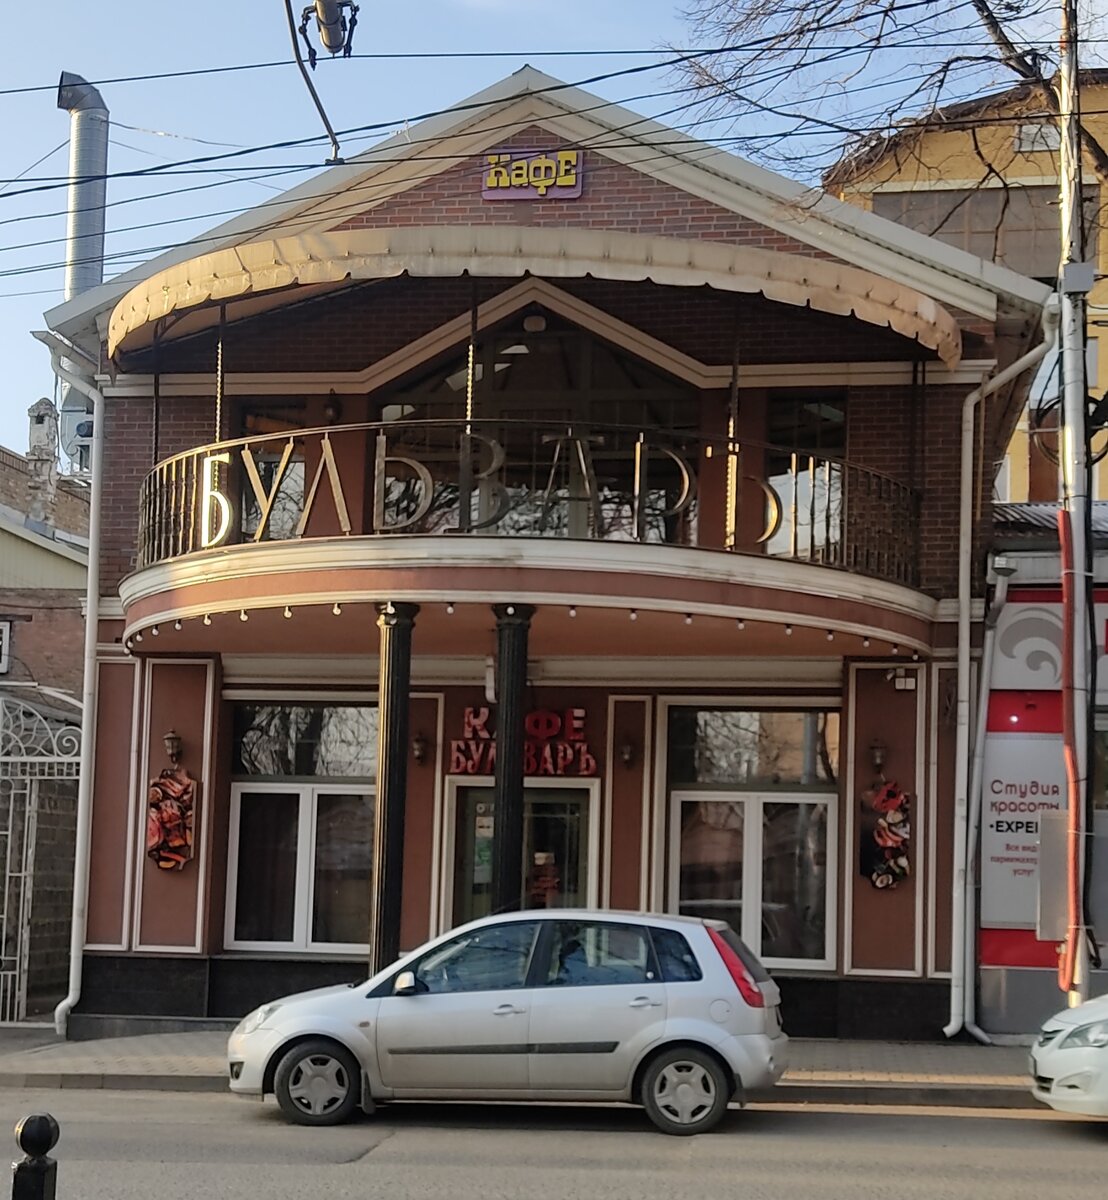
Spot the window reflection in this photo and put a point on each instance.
(330, 740)
(754, 749)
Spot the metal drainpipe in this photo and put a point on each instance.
(62, 355)
(965, 597)
(1003, 569)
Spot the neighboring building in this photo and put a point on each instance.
(983, 176)
(43, 565)
(687, 545)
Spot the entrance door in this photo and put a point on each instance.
(559, 846)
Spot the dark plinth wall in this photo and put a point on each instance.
(228, 987)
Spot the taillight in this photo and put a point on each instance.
(750, 991)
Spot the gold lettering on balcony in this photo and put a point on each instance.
(211, 495)
(380, 476)
(326, 463)
(493, 494)
(265, 499)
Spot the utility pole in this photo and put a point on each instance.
(1075, 280)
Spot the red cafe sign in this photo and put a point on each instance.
(555, 745)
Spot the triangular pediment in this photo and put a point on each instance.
(730, 198)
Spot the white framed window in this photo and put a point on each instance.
(764, 862)
(299, 867)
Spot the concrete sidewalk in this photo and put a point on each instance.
(825, 1072)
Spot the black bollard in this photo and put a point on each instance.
(35, 1176)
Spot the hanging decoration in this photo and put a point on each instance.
(170, 806)
(886, 834)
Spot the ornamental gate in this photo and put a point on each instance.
(39, 759)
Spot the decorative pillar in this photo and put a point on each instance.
(513, 624)
(395, 622)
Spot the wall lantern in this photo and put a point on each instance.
(627, 753)
(419, 749)
(877, 754)
(172, 742)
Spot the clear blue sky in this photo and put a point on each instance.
(129, 37)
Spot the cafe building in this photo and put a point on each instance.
(541, 509)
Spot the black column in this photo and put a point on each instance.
(395, 622)
(513, 623)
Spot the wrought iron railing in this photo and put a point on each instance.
(517, 478)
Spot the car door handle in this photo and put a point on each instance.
(507, 1010)
(644, 1002)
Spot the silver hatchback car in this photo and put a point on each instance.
(672, 1013)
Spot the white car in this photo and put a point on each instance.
(1069, 1061)
(669, 1012)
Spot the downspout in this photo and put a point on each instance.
(63, 356)
(965, 597)
(1003, 569)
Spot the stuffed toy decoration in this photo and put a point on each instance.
(885, 859)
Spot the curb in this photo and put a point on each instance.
(913, 1095)
(112, 1082)
(891, 1095)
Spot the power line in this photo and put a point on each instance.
(717, 143)
(443, 55)
(677, 60)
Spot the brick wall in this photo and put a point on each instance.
(48, 631)
(129, 453)
(71, 503)
(613, 196)
(368, 323)
(881, 437)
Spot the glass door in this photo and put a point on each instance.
(762, 862)
(557, 849)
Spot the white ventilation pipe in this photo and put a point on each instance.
(62, 357)
(958, 939)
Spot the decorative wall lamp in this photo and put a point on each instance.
(172, 742)
(419, 749)
(627, 753)
(878, 753)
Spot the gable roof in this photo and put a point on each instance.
(529, 98)
(960, 115)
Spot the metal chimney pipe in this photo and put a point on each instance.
(88, 168)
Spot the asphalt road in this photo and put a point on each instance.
(160, 1146)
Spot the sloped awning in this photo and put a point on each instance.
(273, 273)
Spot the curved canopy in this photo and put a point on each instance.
(319, 261)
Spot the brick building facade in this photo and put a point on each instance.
(662, 477)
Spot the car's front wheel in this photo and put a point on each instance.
(685, 1091)
(317, 1083)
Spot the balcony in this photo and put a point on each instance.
(530, 479)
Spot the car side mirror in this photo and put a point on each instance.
(406, 984)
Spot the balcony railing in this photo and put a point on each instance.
(515, 478)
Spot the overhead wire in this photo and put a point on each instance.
(601, 140)
(718, 143)
(673, 61)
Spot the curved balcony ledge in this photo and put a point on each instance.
(428, 569)
(532, 480)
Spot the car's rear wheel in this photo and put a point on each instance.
(317, 1083)
(685, 1091)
